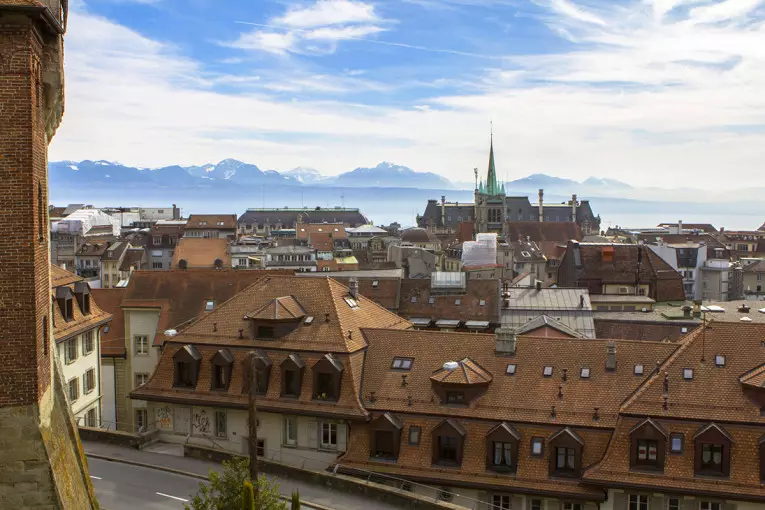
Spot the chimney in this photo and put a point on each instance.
(541, 205)
(443, 210)
(611, 356)
(573, 208)
(539, 285)
(176, 212)
(353, 287)
(505, 341)
(743, 308)
(697, 308)
(680, 227)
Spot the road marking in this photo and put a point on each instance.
(172, 497)
(95, 477)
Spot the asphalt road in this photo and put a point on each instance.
(125, 487)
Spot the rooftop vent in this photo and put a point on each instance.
(743, 308)
(170, 333)
(451, 365)
(611, 356)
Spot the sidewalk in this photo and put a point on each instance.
(169, 456)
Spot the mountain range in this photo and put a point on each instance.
(231, 172)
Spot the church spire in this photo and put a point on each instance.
(492, 188)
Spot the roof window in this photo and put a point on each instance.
(548, 371)
(457, 302)
(209, 305)
(309, 320)
(402, 363)
(719, 360)
(585, 373)
(431, 300)
(220, 223)
(526, 254)
(687, 374)
(482, 302)
(375, 284)
(351, 302)
(510, 369)
(414, 299)
(639, 369)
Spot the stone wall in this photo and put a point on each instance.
(137, 441)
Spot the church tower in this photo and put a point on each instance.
(490, 200)
(42, 464)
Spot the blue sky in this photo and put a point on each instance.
(652, 92)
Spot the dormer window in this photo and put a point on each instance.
(82, 293)
(221, 364)
(647, 446)
(460, 382)
(712, 446)
(209, 305)
(455, 397)
(502, 444)
(375, 284)
(327, 374)
(566, 454)
(265, 332)
(386, 437)
(448, 442)
(292, 375)
(187, 361)
(65, 300)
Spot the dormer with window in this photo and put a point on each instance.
(275, 319)
(386, 437)
(65, 301)
(502, 445)
(292, 370)
(566, 454)
(327, 374)
(460, 382)
(648, 442)
(263, 371)
(712, 446)
(448, 443)
(221, 365)
(187, 361)
(82, 293)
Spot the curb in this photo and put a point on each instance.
(185, 473)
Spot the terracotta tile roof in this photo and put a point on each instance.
(279, 309)
(465, 372)
(160, 386)
(92, 249)
(115, 251)
(201, 252)
(80, 322)
(385, 292)
(181, 295)
(416, 295)
(755, 378)
(714, 392)
(321, 242)
(20, 3)
(211, 221)
(320, 298)
(110, 301)
(310, 230)
(556, 231)
(60, 276)
(533, 395)
(419, 235)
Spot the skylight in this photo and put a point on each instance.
(209, 305)
(482, 302)
(687, 374)
(375, 284)
(585, 373)
(402, 363)
(526, 254)
(547, 372)
(510, 369)
(309, 320)
(457, 302)
(351, 302)
(638, 369)
(431, 300)
(414, 299)
(719, 360)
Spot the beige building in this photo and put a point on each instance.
(754, 279)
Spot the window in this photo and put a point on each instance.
(325, 386)
(141, 379)
(329, 435)
(290, 431)
(87, 342)
(719, 360)
(572, 506)
(291, 383)
(565, 459)
(510, 369)
(503, 454)
(375, 284)
(260, 448)
(140, 419)
(712, 457)
(414, 299)
(414, 435)
(265, 331)
(500, 502)
(402, 363)
(431, 300)
(157, 240)
(687, 374)
(637, 502)
(74, 389)
(537, 446)
(70, 350)
(710, 505)
(536, 504)
(676, 443)
(548, 371)
(447, 448)
(647, 452)
(639, 369)
(89, 380)
(457, 302)
(220, 424)
(455, 397)
(220, 377)
(585, 373)
(673, 504)
(156, 265)
(141, 344)
(384, 444)
(90, 417)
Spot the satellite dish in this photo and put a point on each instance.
(451, 365)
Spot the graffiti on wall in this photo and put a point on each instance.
(164, 418)
(201, 423)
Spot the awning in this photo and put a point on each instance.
(420, 321)
(476, 324)
(447, 323)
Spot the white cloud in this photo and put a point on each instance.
(328, 12)
(573, 11)
(723, 11)
(271, 42)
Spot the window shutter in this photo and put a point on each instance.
(620, 501)
(342, 441)
(656, 503)
(313, 432)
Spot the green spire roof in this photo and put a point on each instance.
(492, 188)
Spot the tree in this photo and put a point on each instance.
(295, 500)
(225, 490)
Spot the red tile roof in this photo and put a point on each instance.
(445, 305)
(80, 322)
(555, 231)
(201, 252)
(305, 230)
(211, 222)
(110, 300)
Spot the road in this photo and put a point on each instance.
(126, 487)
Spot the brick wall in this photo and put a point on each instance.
(25, 355)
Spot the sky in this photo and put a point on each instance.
(651, 92)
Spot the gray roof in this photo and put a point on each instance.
(545, 320)
(665, 312)
(611, 298)
(528, 298)
(289, 249)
